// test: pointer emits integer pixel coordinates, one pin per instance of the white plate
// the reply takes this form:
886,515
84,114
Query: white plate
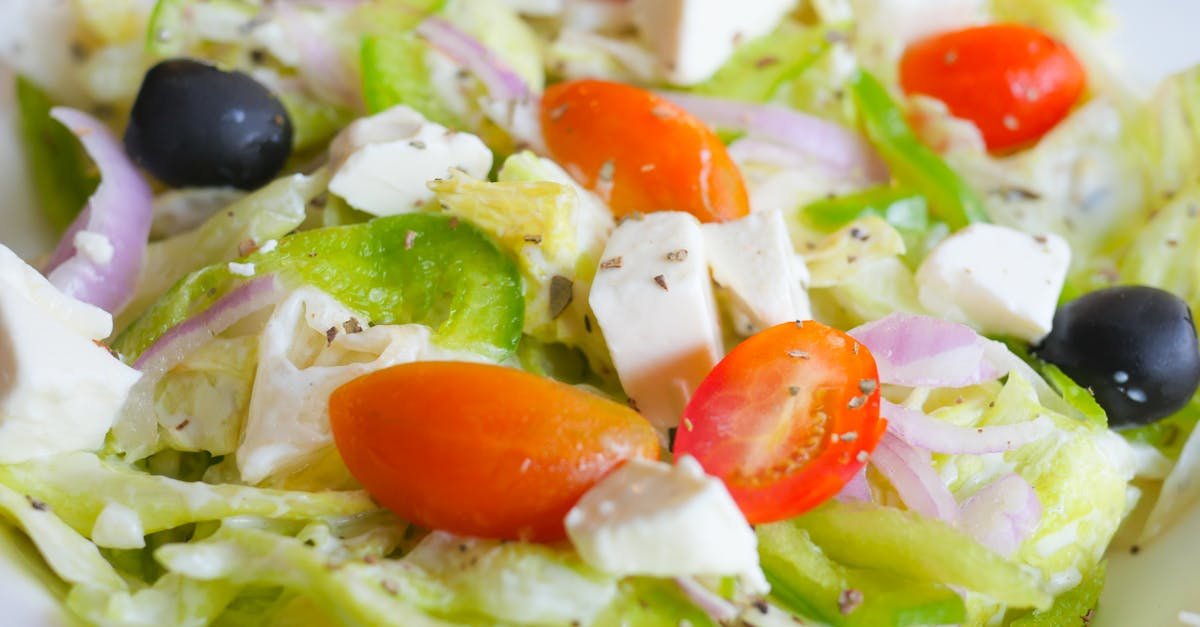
1150,588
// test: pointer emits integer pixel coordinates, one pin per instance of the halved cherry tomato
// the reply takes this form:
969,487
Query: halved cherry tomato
481,450
786,419
1013,81
640,152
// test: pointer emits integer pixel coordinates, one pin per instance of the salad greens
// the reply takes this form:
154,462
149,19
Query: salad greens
186,530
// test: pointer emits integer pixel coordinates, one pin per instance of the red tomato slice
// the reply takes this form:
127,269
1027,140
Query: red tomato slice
640,152
1013,81
786,419
481,450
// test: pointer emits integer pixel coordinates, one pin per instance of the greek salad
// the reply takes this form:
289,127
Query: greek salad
599,312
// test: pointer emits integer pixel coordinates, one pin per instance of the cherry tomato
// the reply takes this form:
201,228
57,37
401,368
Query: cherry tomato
786,419
640,152
481,450
1013,81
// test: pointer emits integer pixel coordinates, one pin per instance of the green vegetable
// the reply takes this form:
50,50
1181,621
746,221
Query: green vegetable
78,486
1075,394
162,36
760,69
171,600
201,403
912,163
646,602
394,72
806,581
268,213
1072,606
501,30
901,208
911,546
60,171
408,268
1169,434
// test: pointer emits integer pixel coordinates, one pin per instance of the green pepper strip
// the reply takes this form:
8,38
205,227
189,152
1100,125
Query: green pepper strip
912,163
422,268
59,169
904,209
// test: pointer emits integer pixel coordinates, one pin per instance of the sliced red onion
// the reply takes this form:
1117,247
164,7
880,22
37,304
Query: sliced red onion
99,258
856,489
922,351
912,475
717,608
931,434
501,81
1002,514
321,65
820,139
138,424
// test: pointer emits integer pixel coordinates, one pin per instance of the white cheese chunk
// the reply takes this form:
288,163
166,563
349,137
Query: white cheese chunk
603,16
693,38
313,344
999,280
96,247
653,300
59,390
754,260
118,527
382,164
651,518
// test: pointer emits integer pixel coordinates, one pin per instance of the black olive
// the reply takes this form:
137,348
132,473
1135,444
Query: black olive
195,125
1135,347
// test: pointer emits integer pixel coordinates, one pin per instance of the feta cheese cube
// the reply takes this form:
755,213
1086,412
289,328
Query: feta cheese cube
651,518
754,260
313,344
694,38
59,390
381,164
654,302
999,280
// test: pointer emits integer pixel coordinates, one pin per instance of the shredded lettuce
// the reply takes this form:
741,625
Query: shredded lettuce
79,486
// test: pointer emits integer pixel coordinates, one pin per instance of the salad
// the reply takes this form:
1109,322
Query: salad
599,312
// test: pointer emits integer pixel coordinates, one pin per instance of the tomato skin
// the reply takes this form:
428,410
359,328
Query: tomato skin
640,152
481,450
765,418
1013,81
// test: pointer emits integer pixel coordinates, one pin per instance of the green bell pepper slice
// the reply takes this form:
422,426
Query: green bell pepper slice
804,580
394,73
423,268
913,164
58,167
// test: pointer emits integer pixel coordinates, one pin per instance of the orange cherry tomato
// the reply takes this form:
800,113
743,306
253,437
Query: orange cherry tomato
640,152
481,450
786,419
1013,81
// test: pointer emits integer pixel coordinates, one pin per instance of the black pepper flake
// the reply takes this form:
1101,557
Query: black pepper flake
352,326
632,404
677,255
36,504
1135,549
611,263
798,354
453,223
671,431
562,292
761,606
409,238
1041,239
793,390
246,246
418,144
662,282
859,234
330,334
390,587
587,323
866,386
533,239
766,62
857,401
183,425
371,558
849,600
1088,616
799,324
